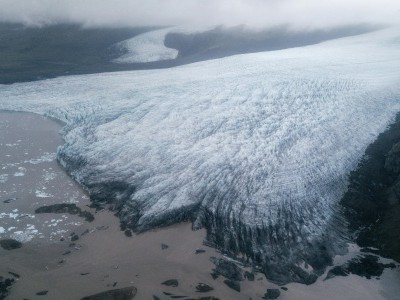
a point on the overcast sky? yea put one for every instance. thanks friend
(258, 13)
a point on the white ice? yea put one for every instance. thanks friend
(146, 47)
(3, 178)
(149, 46)
(247, 136)
(25, 236)
(42, 194)
(46, 157)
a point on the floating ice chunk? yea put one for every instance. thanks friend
(24, 236)
(46, 157)
(21, 172)
(48, 176)
(58, 233)
(3, 178)
(2, 230)
(42, 194)
(9, 215)
(54, 222)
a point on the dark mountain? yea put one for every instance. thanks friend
(33, 53)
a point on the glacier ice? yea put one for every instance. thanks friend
(149, 46)
(255, 147)
(146, 47)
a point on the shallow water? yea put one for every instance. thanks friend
(30, 177)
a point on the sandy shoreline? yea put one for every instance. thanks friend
(104, 257)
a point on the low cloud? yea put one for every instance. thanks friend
(254, 13)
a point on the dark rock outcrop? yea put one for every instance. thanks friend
(5, 285)
(171, 282)
(227, 269)
(202, 298)
(9, 200)
(127, 293)
(392, 162)
(372, 202)
(234, 285)
(10, 244)
(64, 208)
(42, 293)
(249, 276)
(365, 266)
(203, 288)
(272, 294)
(281, 274)
(14, 274)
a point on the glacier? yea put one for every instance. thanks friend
(150, 47)
(146, 47)
(256, 148)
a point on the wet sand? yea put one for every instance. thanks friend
(104, 257)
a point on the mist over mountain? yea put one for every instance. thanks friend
(312, 14)
(33, 53)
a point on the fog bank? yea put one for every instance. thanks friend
(254, 13)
